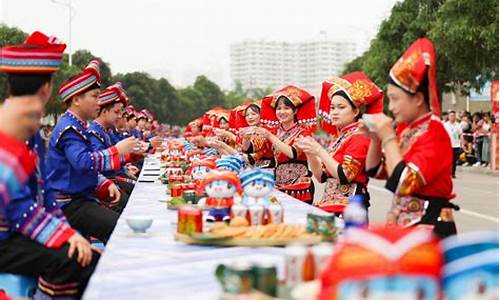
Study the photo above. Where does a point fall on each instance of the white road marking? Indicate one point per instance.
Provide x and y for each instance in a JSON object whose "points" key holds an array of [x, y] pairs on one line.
{"points": [[462, 210], [478, 215]]}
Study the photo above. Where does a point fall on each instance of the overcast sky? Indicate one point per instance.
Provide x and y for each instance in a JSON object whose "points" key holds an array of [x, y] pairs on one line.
{"points": [[180, 39]]}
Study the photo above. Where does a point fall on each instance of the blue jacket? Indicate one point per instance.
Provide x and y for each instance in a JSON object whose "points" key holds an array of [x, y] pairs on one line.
{"points": [[74, 166], [117, 136], [136, 133], [100, 140], [29, 207]]}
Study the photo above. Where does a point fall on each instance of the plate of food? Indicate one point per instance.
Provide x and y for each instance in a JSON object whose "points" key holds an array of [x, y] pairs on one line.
{"points": [[238, 233]]}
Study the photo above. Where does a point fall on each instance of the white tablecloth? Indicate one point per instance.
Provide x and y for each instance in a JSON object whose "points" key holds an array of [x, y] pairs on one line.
{"points": [[154, 266]]}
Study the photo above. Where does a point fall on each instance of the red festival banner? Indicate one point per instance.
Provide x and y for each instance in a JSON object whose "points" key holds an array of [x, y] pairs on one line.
{"points": [[494, 135]]}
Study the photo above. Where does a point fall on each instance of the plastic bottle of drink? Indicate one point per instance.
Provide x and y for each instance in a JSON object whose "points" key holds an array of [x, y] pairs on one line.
{"points": [[355, 214]]}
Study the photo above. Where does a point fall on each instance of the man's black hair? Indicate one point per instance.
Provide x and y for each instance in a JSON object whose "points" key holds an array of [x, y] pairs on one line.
{"points": [[26, 84]]}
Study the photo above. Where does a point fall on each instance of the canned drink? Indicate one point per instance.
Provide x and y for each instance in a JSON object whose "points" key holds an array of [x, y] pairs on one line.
{"points": [[326, 226], [275, 214], [322, 223], [239, 210], [265, 278], [295, 258], [321, 253], [312, 223], [189, 220], [256, 213], [235, 278], [190, 196]]}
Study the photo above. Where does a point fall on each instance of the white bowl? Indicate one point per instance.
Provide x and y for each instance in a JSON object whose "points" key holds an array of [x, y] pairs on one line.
{"points": [[139, 224]]}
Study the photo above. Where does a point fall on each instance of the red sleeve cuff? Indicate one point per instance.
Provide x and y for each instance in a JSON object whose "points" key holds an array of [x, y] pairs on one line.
{"points": [[115, 157], [61, 236], [102, 192]]}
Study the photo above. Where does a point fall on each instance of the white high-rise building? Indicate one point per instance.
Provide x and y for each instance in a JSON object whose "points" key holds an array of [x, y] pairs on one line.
{"points": [[263, 63]]}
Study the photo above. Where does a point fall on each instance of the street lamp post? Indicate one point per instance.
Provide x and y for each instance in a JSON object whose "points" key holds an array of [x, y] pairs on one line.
{"points": [[70, 21]]}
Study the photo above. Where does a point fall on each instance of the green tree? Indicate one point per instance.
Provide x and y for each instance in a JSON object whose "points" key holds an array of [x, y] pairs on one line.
{"points": [[191, 101], [355, 64], [9, 36], [212, 93], [139, 86], [466, 36], [82, 57], [259, 93], [236, 96], [464, 32], [408, 21], [54, 106]]}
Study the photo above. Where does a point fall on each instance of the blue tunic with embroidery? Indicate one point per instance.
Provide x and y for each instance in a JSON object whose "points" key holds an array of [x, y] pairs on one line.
{"points": [[117, 136], [74, 166], [100, 140], [28, 207]]}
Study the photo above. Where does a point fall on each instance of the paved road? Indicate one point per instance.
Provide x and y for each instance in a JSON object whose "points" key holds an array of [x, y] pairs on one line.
{"points": [[477, 195]]}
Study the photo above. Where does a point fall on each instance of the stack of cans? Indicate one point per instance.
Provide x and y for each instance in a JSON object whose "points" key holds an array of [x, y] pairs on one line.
{"points": [[242, 277], [189, 220], [259, 215]]}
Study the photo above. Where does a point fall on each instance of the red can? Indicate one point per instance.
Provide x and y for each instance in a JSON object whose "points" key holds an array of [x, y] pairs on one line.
{"points": [[256, 214], [189, 220], [239, 210], [176, 190], [275, 214]]}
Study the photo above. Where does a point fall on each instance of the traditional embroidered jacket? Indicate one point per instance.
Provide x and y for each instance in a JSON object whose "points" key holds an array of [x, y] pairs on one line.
{"points": [[349, 150], [74, 167]]}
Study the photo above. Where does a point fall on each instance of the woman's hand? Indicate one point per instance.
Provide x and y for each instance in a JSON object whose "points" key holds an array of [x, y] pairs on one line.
{"points": [[383, 125], [366, 131], [308, 145], [114, 195], [220, 132], [263, 132], [216, 144]]}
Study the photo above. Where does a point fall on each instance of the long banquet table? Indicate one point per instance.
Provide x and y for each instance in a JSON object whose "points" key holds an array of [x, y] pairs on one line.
{"points": [[155, 266]]}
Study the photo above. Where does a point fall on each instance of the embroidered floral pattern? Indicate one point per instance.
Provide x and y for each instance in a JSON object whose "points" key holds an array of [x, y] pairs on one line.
{"points": [[290, 173], [410, 135], [291, 93], [446, 215], [406, 211], [351, 167], [359, 90], [344, 135], [336, 194], [410, 181], [402, 72]]}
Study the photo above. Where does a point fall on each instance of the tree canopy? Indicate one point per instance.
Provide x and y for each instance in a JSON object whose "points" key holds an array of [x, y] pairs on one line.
{"points": [[464, 32]]}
